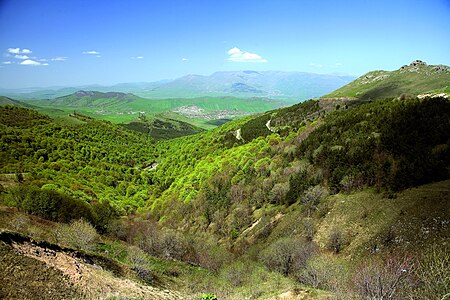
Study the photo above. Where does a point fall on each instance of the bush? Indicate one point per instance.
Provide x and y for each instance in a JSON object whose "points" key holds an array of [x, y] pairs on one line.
{"points": [[388, 279], [288, 255], [209, 254], [335, 241], [78, 234], [104, 216], [173, 245], [433, 273], [312, 196], [137, 259], [321, 272]]}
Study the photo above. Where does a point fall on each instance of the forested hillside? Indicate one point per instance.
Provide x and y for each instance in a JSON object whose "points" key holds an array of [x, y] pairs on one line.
{"points": [[300, 196], [92, 160]]}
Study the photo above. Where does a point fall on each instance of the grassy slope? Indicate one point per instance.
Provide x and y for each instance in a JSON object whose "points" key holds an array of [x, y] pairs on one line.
{"points": [[398, 82], [416, 218]]}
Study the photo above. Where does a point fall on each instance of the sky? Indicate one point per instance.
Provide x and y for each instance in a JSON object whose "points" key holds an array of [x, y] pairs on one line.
{"points": [[45, 43]]}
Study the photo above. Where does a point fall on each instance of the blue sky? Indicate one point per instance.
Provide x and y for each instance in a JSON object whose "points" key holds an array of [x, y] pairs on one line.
{"points": [[75, 42]]}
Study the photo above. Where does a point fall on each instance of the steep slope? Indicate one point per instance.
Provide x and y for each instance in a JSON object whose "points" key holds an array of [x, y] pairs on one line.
{"points": [[413, 79]]}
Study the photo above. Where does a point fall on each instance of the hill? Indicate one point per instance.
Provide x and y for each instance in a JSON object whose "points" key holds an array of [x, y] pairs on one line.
{"points": [[411, 80], [92, 99], [8, 101]]}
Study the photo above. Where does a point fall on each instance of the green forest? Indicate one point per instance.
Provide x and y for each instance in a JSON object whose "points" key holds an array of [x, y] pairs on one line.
{"points": [[324, 198]]}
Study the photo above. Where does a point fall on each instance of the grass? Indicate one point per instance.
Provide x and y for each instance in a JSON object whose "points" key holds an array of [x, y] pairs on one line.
{"points": [[370, 222]]}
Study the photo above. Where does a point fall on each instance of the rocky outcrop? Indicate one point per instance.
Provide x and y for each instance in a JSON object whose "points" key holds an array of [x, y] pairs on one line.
{"points": [[441, 68], [417, 62]]}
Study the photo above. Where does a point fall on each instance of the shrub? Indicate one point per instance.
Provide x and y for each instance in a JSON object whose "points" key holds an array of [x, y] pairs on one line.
{"points": [[209, 254], [288, 255], [335, 241], [321, 272], [278, 192], [104, 216], [388, 279], [308, 229], [78, 234], [137, 259], [236, 273], [312, 196], [433, 273], [173, 245]]}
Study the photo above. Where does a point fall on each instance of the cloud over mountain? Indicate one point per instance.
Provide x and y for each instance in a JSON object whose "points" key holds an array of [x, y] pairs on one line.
{"points": [[237, 55]]}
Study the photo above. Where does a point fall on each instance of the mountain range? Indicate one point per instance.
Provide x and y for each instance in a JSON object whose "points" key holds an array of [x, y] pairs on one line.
{"points": [[291, 86]]}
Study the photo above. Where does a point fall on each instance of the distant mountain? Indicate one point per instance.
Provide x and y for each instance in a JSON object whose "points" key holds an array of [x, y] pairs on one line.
{"points": [[294, 86], [413, 79], [272, 84]]}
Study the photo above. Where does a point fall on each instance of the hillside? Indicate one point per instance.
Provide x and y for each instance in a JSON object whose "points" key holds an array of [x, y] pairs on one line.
{"points": [[95, 99], [321, 199], [8, 101], [412, 80]]}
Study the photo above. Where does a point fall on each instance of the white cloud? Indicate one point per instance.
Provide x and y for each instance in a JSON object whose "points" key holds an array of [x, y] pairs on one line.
{"points": [[30, 62], [59, 58], [237, 55], [184, 59], [92, 52], [14, 50], [7, 62], [234, 50], [18, 56], [19, 51], [137, 57]]}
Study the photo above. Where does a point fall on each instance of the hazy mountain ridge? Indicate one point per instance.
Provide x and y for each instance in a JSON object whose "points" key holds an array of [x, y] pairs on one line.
{"points": [[273, 84], [276, 84]]}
